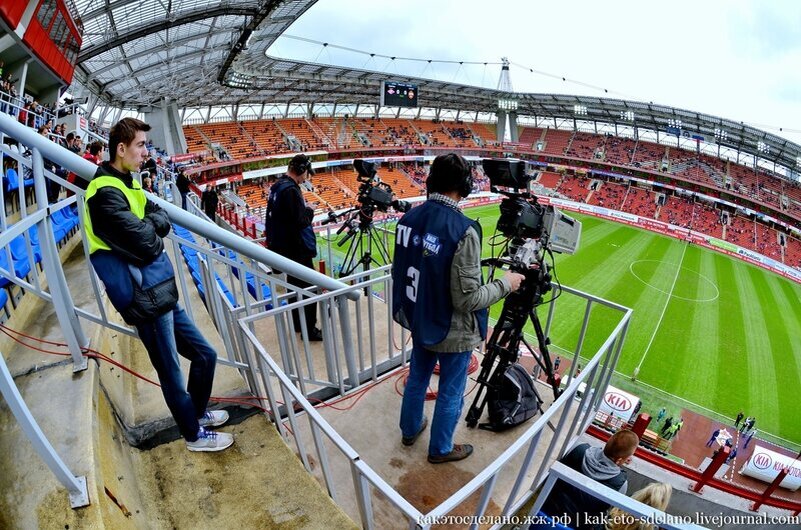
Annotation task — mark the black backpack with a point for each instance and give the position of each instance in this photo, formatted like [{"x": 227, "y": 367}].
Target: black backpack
[{"x": 512, "y": 399}]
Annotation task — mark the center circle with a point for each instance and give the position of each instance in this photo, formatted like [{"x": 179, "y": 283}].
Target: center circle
[{"x": 710, "y": 282}]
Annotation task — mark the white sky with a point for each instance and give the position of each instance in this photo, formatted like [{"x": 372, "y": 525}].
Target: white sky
[{"x": 737, "y": 59}]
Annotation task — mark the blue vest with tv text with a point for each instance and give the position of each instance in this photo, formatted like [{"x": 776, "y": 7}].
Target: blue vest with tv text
[{"x": 425, "y": 243}]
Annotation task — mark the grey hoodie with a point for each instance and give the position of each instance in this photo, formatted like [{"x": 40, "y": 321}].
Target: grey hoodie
[{"x": 598, "y": 466}]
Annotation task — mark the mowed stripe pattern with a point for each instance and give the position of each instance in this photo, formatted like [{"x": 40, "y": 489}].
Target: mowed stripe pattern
[{"x": 740, "y": 350}]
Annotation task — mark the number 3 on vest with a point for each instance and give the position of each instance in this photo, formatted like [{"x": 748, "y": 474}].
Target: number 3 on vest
[{"x": 414, "y": 278}]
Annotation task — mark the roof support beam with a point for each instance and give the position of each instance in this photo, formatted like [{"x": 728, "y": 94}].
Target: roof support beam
[{"x": 176, "y": 20}]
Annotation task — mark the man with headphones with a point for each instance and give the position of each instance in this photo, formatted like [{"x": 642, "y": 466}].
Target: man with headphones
[
  {"x": 439, "y": 295},
  {"x": 288, "y": 231}
]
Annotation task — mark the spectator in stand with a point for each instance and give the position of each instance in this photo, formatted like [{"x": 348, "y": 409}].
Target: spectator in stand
[
  {"x": 147, "y": 184},
  {"x": 182, "y": 181},
  {"x": 95, "y": 152},
  {"x": 603, "y": 465},
  {"x": 656, "y": 495},
  {"x": 125, "y": 234},
  {"x": 209, "y": 201}
]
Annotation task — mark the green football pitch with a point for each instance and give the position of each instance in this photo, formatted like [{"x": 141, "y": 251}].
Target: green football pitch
[{"x": 712, "y": 330}]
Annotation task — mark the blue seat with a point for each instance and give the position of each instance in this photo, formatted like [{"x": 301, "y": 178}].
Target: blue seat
[
  {"x": 196, "y": 278},
  {"x": 63, "y": 219},
  {"x": 59, "y": 231},
  {"x": 188, "y": 251},
  {"x": 3, "y": 299},
  {"x": 19, "y": 250},
  {"x": 192, "y": 262},
  {"x": 225, "y": 290},
  {"x": 21, "y": 268},
  {"x": 12, "y": 180}
]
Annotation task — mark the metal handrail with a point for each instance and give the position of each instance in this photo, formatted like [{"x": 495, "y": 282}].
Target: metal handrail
[
  {"x": 560, "y": 471},
  {"x": 86, "y": 170}
]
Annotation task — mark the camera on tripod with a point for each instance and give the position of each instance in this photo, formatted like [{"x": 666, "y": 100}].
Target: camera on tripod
[
  {"x": 373, "y": 193},
  {"x": 366, "y": 247},
  {"x": 533, "y": 231}
]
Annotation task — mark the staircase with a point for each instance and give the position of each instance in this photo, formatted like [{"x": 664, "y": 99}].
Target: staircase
[{"x": 319, "y": 133}]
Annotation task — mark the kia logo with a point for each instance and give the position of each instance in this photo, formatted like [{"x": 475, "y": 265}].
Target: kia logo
[
  {"x": 617, "y": 401},
  {"x": 762, "y": 461}
]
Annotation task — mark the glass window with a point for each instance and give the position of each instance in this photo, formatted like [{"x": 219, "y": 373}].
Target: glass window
[{"x": 46, "y": 11}]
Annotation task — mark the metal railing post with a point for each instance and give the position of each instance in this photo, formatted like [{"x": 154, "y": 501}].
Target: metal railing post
[
  {"x": 62, "y": 299},
  {"x": 79, "y": 495}
]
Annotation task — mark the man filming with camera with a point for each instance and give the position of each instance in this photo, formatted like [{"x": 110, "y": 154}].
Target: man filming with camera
[{"x": 439, "y": 295}]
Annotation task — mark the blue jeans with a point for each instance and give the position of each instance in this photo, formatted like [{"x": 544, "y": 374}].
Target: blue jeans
[
  {"x": 164, "y": 338},
  {"x": 450, "y": 396},
  {"x": 184, "y": 198}
]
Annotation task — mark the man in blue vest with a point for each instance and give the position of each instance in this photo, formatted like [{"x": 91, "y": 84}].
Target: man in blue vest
[
  {"x": 125, "y": 230},
  {"x": 288, "y": 231},
  {"x": 439, "y": 295}
]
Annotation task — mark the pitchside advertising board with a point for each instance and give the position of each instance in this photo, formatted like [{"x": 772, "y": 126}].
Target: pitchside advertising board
[
  {"x": 620, "y": 403},
  {"x": 765, "y": 465},
  {"x": 616, "y": 402}
]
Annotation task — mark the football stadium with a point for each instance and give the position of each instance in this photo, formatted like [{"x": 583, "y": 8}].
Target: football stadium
[{"x": 390, "y": 284}]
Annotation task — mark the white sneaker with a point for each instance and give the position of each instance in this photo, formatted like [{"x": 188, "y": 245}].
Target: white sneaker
[
  {"x": 213, "y": 418},
  {"x": 210, "y": 441}
]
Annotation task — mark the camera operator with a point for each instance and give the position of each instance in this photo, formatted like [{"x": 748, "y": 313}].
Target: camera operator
[
  {"x": 288, "y": 231},
  {"x": 439, "y": 294}
]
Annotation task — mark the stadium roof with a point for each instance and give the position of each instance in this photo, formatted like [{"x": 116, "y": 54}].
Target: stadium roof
[{"x": 197, "y": 53}]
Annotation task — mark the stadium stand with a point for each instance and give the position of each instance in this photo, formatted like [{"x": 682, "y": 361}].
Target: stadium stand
[
  {"x": 619, "y": 150},
  {"x": 609, "y": 195},
  {"x": 586, "y": 146},
  {"x": 549, "y": 180},
  {"x": 640, "y": 202},
  {"x": 741, "y": 231},
  {"x": 767, "y": 242},
  {"x": 556, "y": 141},
  {"x": 529, "y": 135},
  {"x": 677, "y": 211},
  {"x": 574, "y": 188},
  {"x": 792, "y": 252},
  {"x": 648, "y": 155},
  {"x": 486, "y": 131}
]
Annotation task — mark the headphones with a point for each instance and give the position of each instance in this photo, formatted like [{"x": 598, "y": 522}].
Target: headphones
[
  {"x": 466, "y": 183},
  {"x": 301, "y": 164}
]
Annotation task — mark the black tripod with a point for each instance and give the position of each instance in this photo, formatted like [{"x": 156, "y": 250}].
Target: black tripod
[
  {"x": 503, "y": 347},
  {"x": 363, "y": 237}
]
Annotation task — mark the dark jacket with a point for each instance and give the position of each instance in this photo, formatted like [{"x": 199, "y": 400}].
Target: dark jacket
[
  {"x": 567, "y": 500},
  {"x": 288, "y": 221},
  {"x": 182, "y": 181},
  {"x": 138, "y": 275},
  {"x": 134, "y": 240},
  {"x": 209, "y": 200}
]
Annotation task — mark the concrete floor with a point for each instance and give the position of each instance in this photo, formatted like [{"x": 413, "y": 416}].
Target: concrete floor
[
  {"x": 89, "y": 418},
  {"x": 370, "y": 426}
]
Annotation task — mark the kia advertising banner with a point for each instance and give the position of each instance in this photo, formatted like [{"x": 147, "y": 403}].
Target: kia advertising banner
[
  {"x": 619, "y": 403},
  {"x": 765, "y": 465}
]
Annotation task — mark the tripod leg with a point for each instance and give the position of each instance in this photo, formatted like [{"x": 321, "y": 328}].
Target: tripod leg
[{"x": 542, "y": 341}]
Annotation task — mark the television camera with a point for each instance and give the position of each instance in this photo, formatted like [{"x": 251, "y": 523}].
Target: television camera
[
  {"x": 533, "y": 231},
  {"x": 373, "y": 196}
]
